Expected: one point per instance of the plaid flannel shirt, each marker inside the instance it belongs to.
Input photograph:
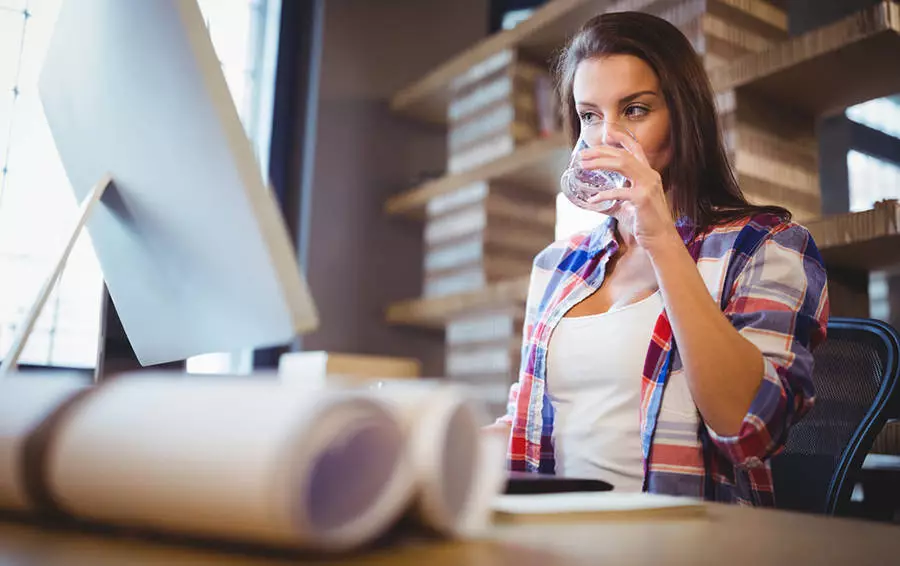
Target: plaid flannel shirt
(769, 280)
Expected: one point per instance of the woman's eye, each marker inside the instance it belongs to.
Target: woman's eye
(636, 111)
(588, 117)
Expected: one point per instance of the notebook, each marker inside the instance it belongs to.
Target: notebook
(591, 506)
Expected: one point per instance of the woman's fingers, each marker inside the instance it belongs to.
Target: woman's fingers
(635, 149)
(621, 163)
(641, 176)
(630, 148)
(601, 151)
(612, 194)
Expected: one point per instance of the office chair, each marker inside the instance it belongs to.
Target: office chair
(855, 375)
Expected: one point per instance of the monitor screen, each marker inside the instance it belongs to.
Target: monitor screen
(193, 247)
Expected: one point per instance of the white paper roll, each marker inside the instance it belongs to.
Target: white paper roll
(242, 459)
(26, 400)
(459, 471)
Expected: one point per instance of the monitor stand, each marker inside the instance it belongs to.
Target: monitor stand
(23, 331)
(114, 353)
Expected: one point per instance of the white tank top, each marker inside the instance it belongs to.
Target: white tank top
(594, 368)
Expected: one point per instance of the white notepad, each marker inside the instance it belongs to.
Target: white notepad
(579, 506)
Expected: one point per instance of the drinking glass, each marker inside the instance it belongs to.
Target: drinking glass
(580, 185)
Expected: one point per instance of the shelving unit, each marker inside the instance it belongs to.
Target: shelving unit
(770, 89)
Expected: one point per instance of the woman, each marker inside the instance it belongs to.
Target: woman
(730, 297)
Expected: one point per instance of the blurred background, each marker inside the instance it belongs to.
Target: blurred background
(415, 150)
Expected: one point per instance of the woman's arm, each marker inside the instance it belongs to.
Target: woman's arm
(710, 346)
(723, 369)
(778, 301)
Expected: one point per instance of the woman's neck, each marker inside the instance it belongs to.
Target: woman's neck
(624, 233)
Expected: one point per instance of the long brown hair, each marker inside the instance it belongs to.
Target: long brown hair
(704, 186)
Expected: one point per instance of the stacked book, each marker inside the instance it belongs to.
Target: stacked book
(497, 105)
(773, 151)
(478, 235)
(777, 159)
(484, 351)
(483, 233)
(730, 29)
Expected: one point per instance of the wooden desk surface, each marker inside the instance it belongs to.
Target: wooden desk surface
(727, 535)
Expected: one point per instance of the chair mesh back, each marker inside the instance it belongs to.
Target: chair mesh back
(849, 369)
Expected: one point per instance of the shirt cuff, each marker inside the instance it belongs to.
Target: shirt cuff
(753, 443)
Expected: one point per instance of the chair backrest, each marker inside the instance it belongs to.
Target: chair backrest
(856, 373)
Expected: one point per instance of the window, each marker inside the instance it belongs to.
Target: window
(37, 208)
(871, 180)
(881, 114)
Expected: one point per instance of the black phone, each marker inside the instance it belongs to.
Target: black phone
(520, 483)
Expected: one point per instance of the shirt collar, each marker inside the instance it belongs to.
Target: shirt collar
(687, 229)
(602, 238)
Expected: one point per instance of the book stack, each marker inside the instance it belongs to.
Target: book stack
(497, 105)
(483, 350)
(477, 235)
(483, 233)
(773, 151)
(730, 29)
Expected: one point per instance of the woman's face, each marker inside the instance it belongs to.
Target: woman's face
(625, 90)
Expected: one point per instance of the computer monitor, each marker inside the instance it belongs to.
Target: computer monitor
(192, 245)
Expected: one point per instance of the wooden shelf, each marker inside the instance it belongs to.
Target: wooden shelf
(826, 70)
(867, 240)
(434, 313)
(536, 166)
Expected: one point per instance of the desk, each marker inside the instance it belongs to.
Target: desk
(728, 536)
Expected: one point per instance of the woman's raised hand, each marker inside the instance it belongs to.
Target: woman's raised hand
(644, 201)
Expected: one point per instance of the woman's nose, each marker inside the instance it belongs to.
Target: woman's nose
(602, 132)
(612, 135)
